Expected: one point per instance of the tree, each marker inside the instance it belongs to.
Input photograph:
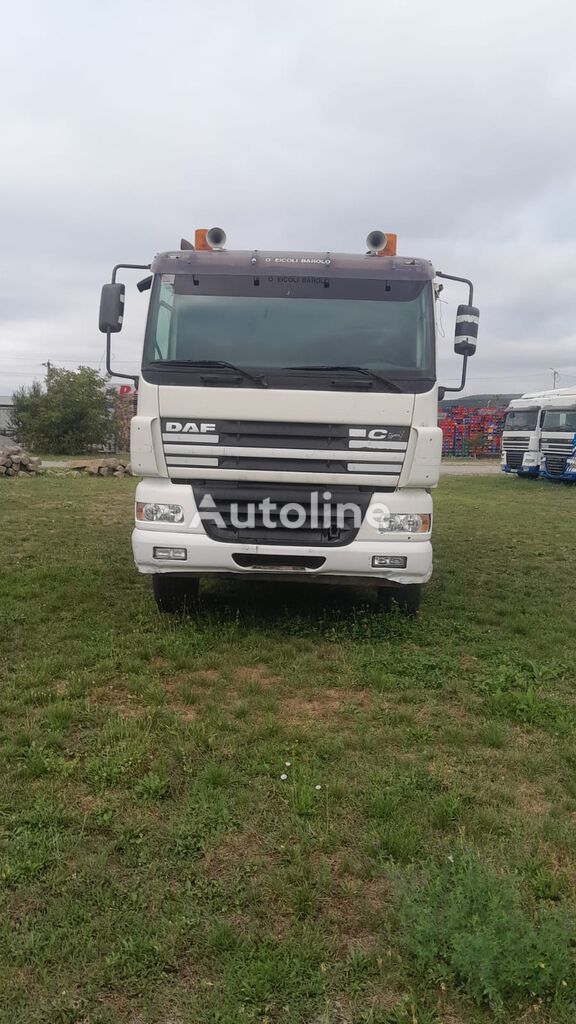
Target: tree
(71, 413)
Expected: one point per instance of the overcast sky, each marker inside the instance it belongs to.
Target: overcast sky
(125, 124)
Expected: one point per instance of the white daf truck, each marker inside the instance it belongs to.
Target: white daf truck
(559, 438)
(521, 435)
(287, 416)
(523, 430)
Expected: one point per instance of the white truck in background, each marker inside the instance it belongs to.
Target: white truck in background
(521, 437)
(287, 416)
(558, 441)
(523, 428)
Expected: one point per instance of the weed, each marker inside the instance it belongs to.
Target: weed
(466, 924)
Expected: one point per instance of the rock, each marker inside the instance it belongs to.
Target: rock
(2, 470)
(5, 460)
(118, 472)
(79, 465)
(105, 471)
(110, 463)
(25, 460)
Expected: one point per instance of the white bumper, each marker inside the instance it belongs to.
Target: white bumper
(349, 563)
(206, 556)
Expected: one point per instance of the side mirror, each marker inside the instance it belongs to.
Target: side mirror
(111, 308)
(466, 336)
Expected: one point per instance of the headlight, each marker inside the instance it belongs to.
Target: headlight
(408, 522)
(154, 512)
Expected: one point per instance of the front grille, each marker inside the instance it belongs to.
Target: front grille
(556, 464)
(557, 447)
(225, 507)
(514, 459)
(262, 434)
(511, 441)
(200, 449)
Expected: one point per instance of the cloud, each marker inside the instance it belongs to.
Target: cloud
(128, 124)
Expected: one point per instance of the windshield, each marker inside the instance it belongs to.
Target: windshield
(281, 330)
(521, 419)
(561, 419)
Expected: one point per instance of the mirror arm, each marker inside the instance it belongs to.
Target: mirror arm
(463, 280)
(442, 390)
(109, 370)
(128, 266)
(114, 373)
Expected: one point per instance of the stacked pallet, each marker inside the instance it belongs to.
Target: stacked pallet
(472, 433)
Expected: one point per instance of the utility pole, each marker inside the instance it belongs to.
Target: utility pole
(555, 376)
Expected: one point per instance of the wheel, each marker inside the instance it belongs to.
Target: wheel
(174, 594)
(406, 597)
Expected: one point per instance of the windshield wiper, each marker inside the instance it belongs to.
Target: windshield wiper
(356, 369)
(258, 379)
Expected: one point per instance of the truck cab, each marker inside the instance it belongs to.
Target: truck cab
(523, 430)
(521, 437)
(559, 440)
(287, 416)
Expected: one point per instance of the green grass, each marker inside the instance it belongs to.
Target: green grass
(417, 864)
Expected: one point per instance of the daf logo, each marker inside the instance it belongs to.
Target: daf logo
(177, 427)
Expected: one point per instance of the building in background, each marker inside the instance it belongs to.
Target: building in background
(5, 415)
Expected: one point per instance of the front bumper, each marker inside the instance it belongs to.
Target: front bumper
(568, 477)
(530, 465)
(349, 564)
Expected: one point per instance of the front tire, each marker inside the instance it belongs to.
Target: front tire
(174, 594)
(407, 598)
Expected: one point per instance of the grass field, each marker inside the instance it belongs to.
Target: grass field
(417, 865)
